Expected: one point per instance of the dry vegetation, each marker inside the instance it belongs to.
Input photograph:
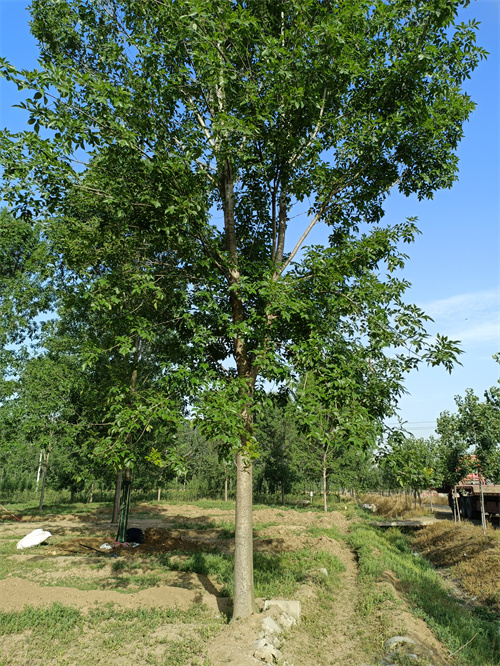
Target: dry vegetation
(472, 558)
(395, 506)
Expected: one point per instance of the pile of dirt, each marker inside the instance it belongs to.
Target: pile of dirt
(156, 540)
(16, 592)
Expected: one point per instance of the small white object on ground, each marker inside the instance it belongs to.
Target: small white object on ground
(106, 546)
(34, 538)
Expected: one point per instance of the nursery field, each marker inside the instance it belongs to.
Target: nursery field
(168, 600)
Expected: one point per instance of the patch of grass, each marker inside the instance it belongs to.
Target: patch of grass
(66, 636)
(275, 575)
(219, 566)
(280, 575)
(27, 567)
(57, 508)
(54, 622)
(331, 532)
(453, 624)
(200, 526)
(264, 526)
(8, 545)
(201, 503)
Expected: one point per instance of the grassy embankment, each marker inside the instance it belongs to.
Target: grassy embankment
(429, 565)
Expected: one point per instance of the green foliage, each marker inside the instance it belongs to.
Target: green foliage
(25, 272)
(411, 463)
(475, 428)
(278, 466)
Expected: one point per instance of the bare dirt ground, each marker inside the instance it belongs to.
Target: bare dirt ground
(331, 631)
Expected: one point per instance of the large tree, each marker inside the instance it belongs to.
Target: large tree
(275, 116)
(470, 438)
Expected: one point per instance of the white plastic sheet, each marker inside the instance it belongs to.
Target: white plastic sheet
(34, 538)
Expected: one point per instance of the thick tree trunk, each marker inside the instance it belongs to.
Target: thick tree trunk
(243, 552)
(116, 503)
(44, 479)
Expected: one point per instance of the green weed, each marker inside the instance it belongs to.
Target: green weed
(53, 622)
(331, 532)
(66, 636)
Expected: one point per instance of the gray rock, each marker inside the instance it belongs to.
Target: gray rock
(287, 621)
(274, 640)
(270, 626)
(268, 654)
(290, 607)
(395, 640)
(264, 655)
(318, 572)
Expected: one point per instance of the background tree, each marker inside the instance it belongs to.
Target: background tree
(46, 399)
(277, 431)
(470, 438)
(333, 422)
(411, 464)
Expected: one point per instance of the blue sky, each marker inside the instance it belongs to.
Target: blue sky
(454, 265)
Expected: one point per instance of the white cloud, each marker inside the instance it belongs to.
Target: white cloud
(484, 332)
(471, 318)
(463, 305)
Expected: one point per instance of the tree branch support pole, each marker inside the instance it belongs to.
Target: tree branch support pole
(457, 508)
(127, 476)
(39, 468)
(325, 499)
(44, 478)
(116, 502)
(123, 522)
(483, 513)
